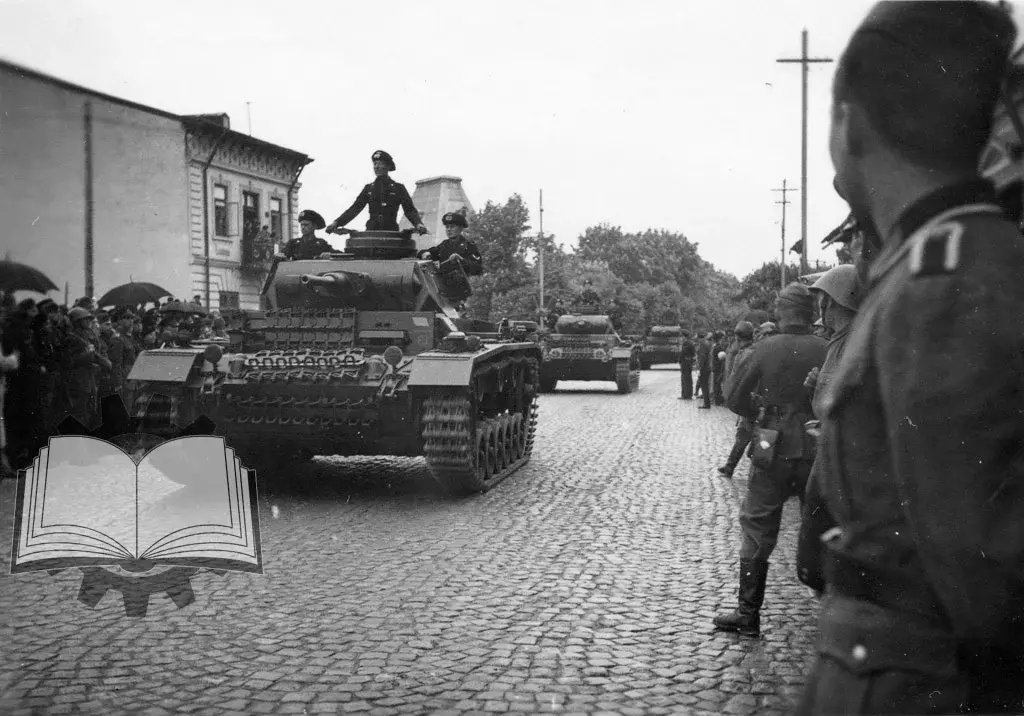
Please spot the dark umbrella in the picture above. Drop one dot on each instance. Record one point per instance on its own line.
(133, 294)
(19, 277)
(182, 307)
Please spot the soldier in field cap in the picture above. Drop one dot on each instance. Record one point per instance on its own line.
(456, 246)
(384, 196)
(920, 461)
(308, 245)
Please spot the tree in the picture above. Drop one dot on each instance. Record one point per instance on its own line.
(498, 231)
(759, 288)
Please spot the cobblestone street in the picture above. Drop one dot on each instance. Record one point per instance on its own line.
(585, 583)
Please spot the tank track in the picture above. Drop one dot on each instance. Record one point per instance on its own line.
(467, 455)
(626, 380)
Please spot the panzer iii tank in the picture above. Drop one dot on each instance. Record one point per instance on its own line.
(356, 353)
(585, 346)
(662, 344)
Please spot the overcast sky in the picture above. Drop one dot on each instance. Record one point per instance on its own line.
(665, 114)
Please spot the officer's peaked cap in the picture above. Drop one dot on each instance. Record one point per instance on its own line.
(842, 285)
(797, 296)
(383, 156)
(78, 313)
(310, 215)
(454, 218)
(744, 328)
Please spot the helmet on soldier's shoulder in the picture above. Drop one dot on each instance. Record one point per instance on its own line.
(842, 285)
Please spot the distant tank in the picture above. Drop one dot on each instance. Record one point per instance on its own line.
(357, 353)
(662, 344)
(585, 346)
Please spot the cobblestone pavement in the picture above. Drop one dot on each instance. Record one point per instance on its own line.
(585, 583)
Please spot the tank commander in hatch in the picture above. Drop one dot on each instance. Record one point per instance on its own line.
(309, 245)
(456, 247)
(384, 196)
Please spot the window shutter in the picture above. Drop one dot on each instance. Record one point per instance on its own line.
(234, 218)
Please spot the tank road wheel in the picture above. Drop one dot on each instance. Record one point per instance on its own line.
(485, 451)
(518, 436)
(508, 448)
(623, 376)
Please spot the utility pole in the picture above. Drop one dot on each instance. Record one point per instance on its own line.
(782, 262)
(804, 61)
(540, 252)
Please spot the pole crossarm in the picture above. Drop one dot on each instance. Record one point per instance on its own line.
(805, 63)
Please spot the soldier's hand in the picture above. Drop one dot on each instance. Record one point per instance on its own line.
(331, 227)
(422, 229)
(811, 381)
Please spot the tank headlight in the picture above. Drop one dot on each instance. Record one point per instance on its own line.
(473, 343)
(213, 354)
(393, 356)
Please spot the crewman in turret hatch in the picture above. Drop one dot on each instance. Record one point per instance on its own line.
(456, 247)
(309, 245)
(384, 196)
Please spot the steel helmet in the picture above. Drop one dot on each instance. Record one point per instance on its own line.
(745, 329)
(841, 285)
(78, 313)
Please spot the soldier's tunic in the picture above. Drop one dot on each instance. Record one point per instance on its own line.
(301, 249)
(775, 369)
(472, 260)
(923, 471)
(384, 196)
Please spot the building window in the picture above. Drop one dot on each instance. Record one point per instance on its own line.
(220, 210)
(275, 219)
(250, 215)
(228, 299)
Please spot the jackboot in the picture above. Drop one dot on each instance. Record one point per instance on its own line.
(733, 461)
(746, 620)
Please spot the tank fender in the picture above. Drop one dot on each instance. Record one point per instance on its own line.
(166, 365)
(435, 368)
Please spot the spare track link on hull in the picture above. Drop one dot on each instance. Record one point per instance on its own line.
(626, 380)
(465, 460)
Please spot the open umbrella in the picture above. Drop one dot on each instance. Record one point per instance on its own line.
(182, 307)
(133, 294)
(21, 277)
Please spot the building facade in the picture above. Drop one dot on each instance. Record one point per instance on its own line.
(97, 191)
(243, 205)
(433, 198)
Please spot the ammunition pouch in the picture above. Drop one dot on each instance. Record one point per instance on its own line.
(793, 441)
(763, 447)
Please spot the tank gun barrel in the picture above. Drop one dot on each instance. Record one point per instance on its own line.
(338, 282)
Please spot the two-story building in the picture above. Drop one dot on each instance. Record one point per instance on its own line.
(97, 191)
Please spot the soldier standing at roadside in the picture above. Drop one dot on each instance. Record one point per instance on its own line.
(704, 370)
(744, 426)
(921, 456)
(774, 371)
(687, 354)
